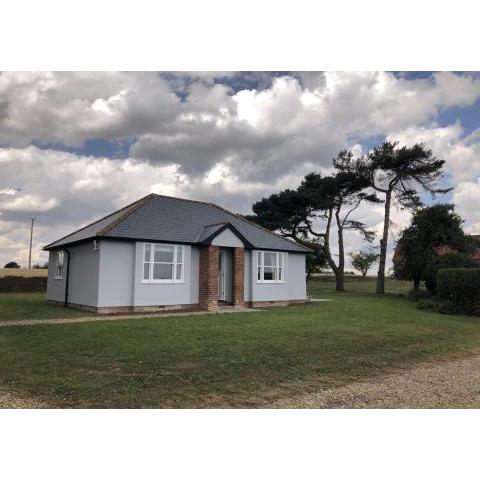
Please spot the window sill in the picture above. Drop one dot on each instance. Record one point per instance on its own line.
(58, 278)
(169, 282)
(270, 282)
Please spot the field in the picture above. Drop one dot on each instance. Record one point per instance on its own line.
(23, 272)
(230, 360)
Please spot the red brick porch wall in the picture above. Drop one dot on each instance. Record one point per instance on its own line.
(208, 281)
(238, 277)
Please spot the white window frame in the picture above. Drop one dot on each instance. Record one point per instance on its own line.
(279, 266)
(174, 264)
(59, 264)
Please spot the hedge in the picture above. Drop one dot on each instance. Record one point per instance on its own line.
(441, 262)
(460, 287)
(13, 284)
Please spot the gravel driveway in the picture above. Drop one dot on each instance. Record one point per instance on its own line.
(15, 400)
(446, 384)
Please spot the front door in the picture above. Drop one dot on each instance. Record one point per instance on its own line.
(221, 276)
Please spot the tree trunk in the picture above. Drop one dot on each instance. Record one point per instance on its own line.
(340, 274)
(339, 281)
(383, 245)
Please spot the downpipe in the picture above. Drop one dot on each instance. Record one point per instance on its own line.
(67, 277)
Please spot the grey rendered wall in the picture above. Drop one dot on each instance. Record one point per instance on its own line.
(297, 280)
(155, 294)
(294, 287)
(194, 274)
(55, 288)
(227, 239)
(116, 274)
(83, 280)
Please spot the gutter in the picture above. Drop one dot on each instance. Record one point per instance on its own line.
(67, 277)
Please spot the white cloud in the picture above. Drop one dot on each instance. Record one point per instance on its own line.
(192, 136)
(462, 166)
(29, 203)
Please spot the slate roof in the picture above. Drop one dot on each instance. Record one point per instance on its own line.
(177, 220)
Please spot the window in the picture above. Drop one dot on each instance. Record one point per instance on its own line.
(59, 266)
(270, 267)
(163, 263)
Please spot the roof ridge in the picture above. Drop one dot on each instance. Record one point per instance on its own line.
(183, 199)
(231, 213)
(98, 220)
(134, 207)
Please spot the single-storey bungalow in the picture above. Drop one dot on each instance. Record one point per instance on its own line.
(166, 253)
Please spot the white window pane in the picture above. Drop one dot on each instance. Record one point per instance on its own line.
(179, 272)
(162, 271)
(163, 254)
(280, 259)
(280, 274)
(146, 271)
(269, 258)
(179, 254)
(148, 249)
(268, 273)
(60, 258)
(259, 258)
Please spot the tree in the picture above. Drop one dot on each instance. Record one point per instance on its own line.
(396, 173)
(37, 266)
(317, 260)
(363, 260)
(432, 229)
(319, 200)
(12, 265)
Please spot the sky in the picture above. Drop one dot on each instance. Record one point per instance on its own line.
(75, 146)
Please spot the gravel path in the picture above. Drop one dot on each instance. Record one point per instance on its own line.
(445, 384)
(16, 400)
(106, 318)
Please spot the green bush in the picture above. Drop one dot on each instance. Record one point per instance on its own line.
(445, 306)
(426, 304)
(450, 260)
(460, 288)
(418, 294)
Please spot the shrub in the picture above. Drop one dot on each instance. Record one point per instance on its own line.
(426, 304)
(418, 294)
(451, 260)
(460, 287)
(12, 265)
(445, 306)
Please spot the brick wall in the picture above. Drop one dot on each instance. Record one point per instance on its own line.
(238, 277)
(208, 281)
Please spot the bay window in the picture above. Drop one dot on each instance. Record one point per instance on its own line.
(163, 263)
(270, 267)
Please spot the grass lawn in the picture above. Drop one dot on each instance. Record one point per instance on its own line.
(241, 359)
(26, 306)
